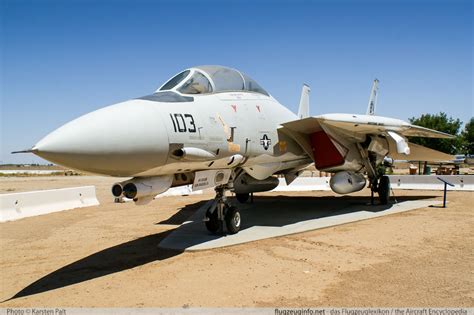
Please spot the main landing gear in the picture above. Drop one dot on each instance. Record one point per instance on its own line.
(222, 211)
(242, 198)
(381, 185)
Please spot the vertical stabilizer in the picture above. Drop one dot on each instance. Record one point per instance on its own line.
(303, 110)
(373, 98)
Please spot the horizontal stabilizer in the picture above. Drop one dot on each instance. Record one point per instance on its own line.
(418, 131)
(418, 153)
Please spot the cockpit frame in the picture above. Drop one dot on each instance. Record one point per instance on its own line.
(229, 81)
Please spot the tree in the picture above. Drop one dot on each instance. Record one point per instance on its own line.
(442, 123)
(468, 137)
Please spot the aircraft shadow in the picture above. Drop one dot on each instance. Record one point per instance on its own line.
(265, 211)
(183, 214)
(114, 259)
(284, 210)
(272, 211)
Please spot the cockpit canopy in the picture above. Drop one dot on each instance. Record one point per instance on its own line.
(211, 79)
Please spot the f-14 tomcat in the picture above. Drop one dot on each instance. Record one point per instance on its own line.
(213, 126)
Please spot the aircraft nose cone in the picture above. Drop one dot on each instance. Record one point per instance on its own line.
(120, 140)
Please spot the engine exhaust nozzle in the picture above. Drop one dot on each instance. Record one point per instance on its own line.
(139, 187)
(117, 190)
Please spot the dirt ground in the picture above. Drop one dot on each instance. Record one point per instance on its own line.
(107, 256)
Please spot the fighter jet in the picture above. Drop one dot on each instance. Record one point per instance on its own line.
(213, 126)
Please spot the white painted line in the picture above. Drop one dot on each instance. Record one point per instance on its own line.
(32, 203)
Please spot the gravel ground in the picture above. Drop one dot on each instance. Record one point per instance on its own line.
(107, 256)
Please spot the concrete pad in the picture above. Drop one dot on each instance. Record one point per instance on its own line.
(272, 216)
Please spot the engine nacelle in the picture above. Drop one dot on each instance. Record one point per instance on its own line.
(345, 182)
(245, 183)
(136, 188)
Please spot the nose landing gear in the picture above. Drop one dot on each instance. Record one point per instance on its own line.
(221, 211)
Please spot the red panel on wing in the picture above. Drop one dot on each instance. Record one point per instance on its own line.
(324, 151)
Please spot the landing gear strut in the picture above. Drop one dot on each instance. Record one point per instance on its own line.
(384, 190)
(379, 182)
(380, 185)
(222, 211)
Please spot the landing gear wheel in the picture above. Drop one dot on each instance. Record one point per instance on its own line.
(212, 224)
(242, 198)
(384, 190)
(232, 220)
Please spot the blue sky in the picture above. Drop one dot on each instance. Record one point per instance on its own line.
(62, 59)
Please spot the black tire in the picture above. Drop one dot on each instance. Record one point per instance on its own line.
(384, 190)
(212, 224)
(242, 198)
(232, 220)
